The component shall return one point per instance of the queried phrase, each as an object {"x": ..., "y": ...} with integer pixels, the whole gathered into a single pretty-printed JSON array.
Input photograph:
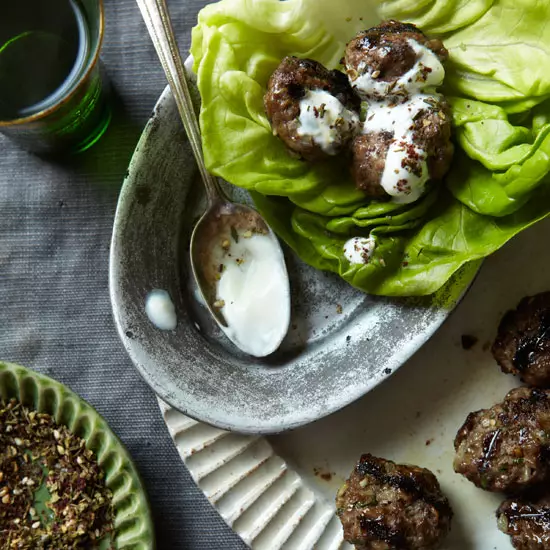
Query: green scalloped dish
[{"x": 131, "y": 513}]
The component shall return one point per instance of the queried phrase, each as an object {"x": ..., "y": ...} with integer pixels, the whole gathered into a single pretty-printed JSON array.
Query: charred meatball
[
  {"x": 393, "y": 59},
  {"x": 522, "y": 345},
  {"x": 313, "y": 110},
  {"x": 507, "y": 447},
  {"x": 415, "y": 153},
  {"x": 388, "y": 506},
  {"x": 527, "y": 523}
]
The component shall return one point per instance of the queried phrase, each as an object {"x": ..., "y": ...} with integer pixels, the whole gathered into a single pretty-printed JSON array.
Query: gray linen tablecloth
[{"x": 55, "y": 314}]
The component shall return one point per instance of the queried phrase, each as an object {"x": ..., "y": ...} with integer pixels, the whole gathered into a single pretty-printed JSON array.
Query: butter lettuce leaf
[
  {"x": 498, "y": 77},
  {"x": 412, "y": 262},
  {"x": 436, "y": 16},
  {"x": 500, "y": 164}
]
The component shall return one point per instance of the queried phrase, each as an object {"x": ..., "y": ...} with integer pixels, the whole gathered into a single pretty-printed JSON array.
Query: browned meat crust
[
  {"x": 527, "y": 522},
  {"x": 388, "y": 506},
  {"x": 287, "y": 86},
  {"x": 522, "y": 345},
  {"x": 385, "y": 48},
  {"x": 507, "y": 447}
]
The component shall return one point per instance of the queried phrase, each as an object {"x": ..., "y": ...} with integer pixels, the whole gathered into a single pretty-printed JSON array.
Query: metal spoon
[{"x": 223, "y": 220}]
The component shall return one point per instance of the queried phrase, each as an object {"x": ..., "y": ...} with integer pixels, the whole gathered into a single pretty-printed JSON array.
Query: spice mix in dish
[{"x": 52, "y": 490}]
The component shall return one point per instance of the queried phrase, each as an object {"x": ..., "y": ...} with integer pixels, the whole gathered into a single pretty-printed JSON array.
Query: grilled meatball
[
  {"x": 527, "y": 523},
  {"x": 431, "y": 133},
  {"x": 522, "y": 345},
  {"x": 330, "y": 113},
  {"x": 507, "y": 447},
  {"x": 386, "y": 53},
  {"x": 388, "y": 506}
]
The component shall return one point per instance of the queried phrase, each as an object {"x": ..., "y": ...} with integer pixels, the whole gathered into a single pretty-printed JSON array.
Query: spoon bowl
[
  {"x": 222, "y": 221},
  {"x": 219, "y": 242}
]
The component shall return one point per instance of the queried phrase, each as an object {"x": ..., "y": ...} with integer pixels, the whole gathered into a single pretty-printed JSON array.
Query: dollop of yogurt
[
  {"x": 406, "y": 170},
  {"x": 359, "y": 250},
  {"x": 253, "y": 294},
  {"x": 326, "y": 120},
  {"x": 160, "y": 310},
  {"x": 427, "y": 72}
]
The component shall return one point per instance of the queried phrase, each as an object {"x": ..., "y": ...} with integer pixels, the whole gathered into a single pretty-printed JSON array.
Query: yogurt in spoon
[{"x": 253, "y": 292}]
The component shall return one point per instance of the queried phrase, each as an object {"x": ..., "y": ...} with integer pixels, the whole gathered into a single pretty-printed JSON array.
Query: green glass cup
[{"x": 53, "y": 88}]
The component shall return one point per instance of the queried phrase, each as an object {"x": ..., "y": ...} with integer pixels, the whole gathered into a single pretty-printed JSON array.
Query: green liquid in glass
[{"x": 45, "y": 49}]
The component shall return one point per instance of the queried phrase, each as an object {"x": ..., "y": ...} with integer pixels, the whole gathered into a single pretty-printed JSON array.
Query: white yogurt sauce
[
  {"x": 160, "y": 310},
  {"x": 392, "y": 107},
  {"x": 398, "y": 180},
  {"x": 253, "y": 294},
  {"x": 427, "y": 72},
  {"x": 358, "y": 250},
  {"x": 325, "y": 119}
]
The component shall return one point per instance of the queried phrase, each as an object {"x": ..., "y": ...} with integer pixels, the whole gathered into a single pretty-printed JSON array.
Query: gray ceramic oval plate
[{"x": 341, "y": 344}]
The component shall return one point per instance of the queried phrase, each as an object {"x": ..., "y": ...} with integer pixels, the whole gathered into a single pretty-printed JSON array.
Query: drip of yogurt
[
  {"x": 406, "y": 170},
  {"x": 160, "y": 310},
  {"x": 325, "y": 119},
  {"x": 426, "y": 73},
  {"x": 393, "y": 107},
  {"x": 253, "y": 293},
  {"x": 359, "y": 250}
]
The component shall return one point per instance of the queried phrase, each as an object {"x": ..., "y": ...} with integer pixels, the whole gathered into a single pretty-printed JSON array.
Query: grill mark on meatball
[
  {"x": 295, "y": 91},
  {"x": 392, "y": 506},
  {"x": 490, "y": 447},
  {"x": 376, "y": 528},
  {"x": 408, "y": 484},
  {"x": 518, "y": 512},
  {"x": 527, "y": 521},
  {"x": 527, "y": 347},
  {"x": 522, "y": 344},
  {"x": 537, "y": 396},
  {"x": 507, "y": 448},
  {"x": 369, "y": 465}
]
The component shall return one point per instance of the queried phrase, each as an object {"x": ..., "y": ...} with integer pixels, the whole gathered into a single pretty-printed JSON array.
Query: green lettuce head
[{"x": 497, "y": 81}]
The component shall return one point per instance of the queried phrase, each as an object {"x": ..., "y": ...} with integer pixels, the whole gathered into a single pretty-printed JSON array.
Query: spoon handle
[{"x": 157, "y": 19}]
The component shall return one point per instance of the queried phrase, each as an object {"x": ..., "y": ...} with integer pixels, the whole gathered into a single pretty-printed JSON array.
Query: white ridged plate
[{"x": 266, "y": 488}]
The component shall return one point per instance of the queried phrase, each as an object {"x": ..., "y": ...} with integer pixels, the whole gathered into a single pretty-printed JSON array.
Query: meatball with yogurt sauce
[
  {"x": 311, "y": 109},
  {"x": 405, "y": 140},
  {"x": 394, "y": 58},
  {"x": 389, "y": 506},
  {"x": 507, "y": 448},
  {"x": 522, "y": 345},
  {"x": 395, "y": 155}
]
